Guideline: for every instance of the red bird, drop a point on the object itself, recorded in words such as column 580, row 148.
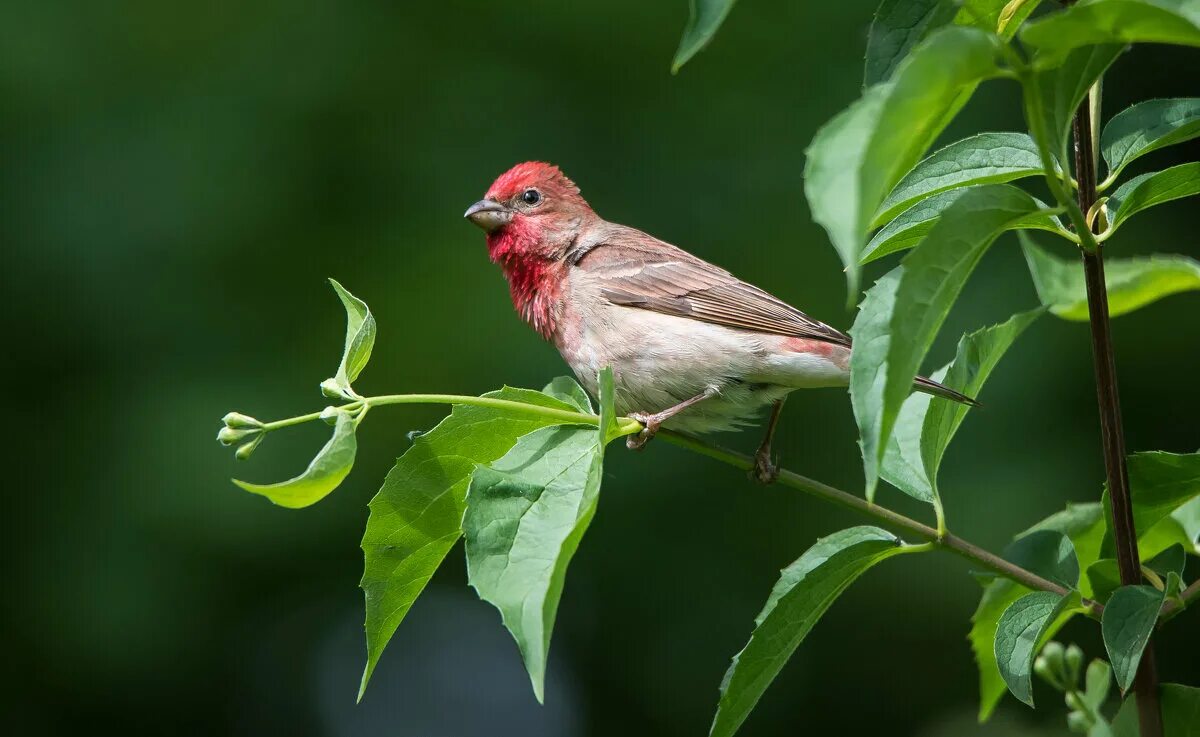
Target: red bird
column 691, row 346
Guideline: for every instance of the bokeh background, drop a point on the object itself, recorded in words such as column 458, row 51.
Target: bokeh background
column 177, row 181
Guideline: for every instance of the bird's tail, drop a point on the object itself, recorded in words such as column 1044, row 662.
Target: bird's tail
column 929, row 386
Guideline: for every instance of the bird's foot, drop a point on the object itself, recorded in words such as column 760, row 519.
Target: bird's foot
column 650, row 425
column 765, row 471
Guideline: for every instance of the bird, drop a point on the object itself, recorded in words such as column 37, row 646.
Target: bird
column 692, row 347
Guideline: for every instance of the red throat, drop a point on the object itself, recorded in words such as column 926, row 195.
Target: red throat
column 534, row 281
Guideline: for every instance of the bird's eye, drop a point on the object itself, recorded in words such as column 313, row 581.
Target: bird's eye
column 531, row 197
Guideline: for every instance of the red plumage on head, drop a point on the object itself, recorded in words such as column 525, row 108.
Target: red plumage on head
column 537, row 174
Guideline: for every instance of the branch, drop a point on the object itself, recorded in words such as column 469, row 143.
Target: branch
column 1177, row 605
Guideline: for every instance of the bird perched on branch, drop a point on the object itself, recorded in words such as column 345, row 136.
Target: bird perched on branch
column 692, row 347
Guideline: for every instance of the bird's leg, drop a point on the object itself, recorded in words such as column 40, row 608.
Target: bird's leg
column 765, row 471
column 651, row 422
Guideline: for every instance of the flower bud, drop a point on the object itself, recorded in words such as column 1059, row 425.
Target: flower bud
column 332, row 389
column 1042, row 667
column 244, row 451
column 239, row 420
column 329, row 415
column 1078, row 722
column 229, row 435
column 1074, row 663
column 1073, row 701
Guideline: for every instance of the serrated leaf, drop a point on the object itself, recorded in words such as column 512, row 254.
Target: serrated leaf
column 899, row 25
column 1084, row 526
column 567, row 390
column 893, row 331
column 1020, row 634
column 416, row 516
column 325, row 471
column 1147, row 190
column 856, row 158
column 1148, row 126
column 704, row 18
column 984, row 158
column 1000, row 16
column 924, row 428
column 1057, row 92
column 1091, row 22
column 526, row 514
column 1132, row 283
column 360, row 340
column 805, row 590
column 910, row 227
column 1180, row 713
column 1127, row 621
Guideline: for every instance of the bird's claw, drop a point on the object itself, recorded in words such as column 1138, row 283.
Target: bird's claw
column 765, row 471
column 638, row 440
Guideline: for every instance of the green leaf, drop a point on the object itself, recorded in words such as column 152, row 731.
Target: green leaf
column 1132, row 283
column 360, row 340
column 897, row 27
column 526, row 514
column 1188, row 519
column 1180, row 713
column 567, row 390
column 1020, row 634
column 704, row 18
column 1160, row 483
column 324, row 473
column 910, row 227
column 1127, row 622
column 1147, row 190
column 805, row 590
column 896, row 325
column 1057, row 92
column 1092, row 22
column 1000, row 16
column 1097, row 684
column 1173, row 559
column 1084, row 526
column 416, row 516
column 1148, row 126
column 856, row 158
column 984, row 158
column 924, row 428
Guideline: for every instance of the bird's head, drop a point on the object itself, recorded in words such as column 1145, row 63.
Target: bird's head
column 531, row 210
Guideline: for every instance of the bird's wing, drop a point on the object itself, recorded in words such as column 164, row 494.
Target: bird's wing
column 636, row 270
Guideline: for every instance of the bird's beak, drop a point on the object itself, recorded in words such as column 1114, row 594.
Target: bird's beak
column 488, row 214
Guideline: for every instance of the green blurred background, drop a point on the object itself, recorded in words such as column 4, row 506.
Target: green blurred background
column 177, row 180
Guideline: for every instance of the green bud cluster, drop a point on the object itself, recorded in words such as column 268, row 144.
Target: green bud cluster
column 238, row 428
column 1062, row 667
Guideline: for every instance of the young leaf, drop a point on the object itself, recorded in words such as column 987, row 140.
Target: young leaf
column 568, row 391
column 704, row 18
column 805, row 590
column 1084, row 527
column 1020, row 634
column 1147, row 190
column 900, row 326
column 1057, row 92
column 856, row 158
column 326, row 470
column 983, row 158
column 1180, row 713
column 910, row 227
column 1148, row 126
column 416, row 516
column 1092, row 22
column 360, row 340
column 1132, row 283
column 997, row 16
column 897, row 27
column 526, row 514
column 924, row 428
column 1127, row 622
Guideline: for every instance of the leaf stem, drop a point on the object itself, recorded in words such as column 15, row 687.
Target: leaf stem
column 1112, row 432
column 948, row 541
column 1177, row 605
